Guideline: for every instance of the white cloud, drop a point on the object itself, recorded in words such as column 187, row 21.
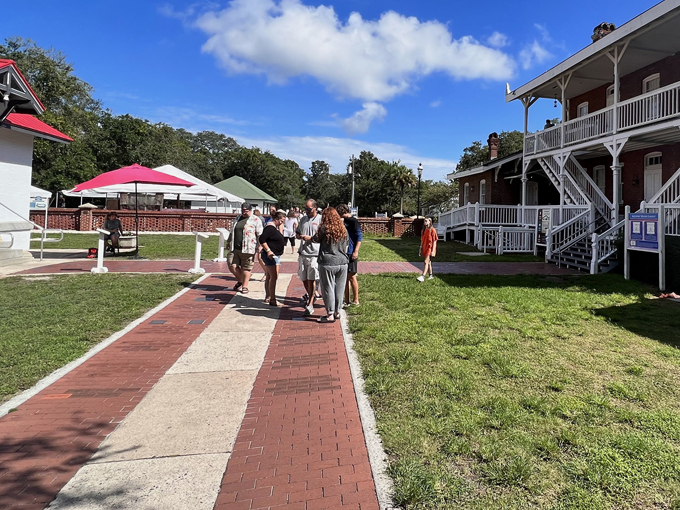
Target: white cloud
column 191, row 117
column 533, row 54
column 369, row 60
column 436, row 104
column 360, row 121
column 337, row 151
column 497, row 40
column 545, row 35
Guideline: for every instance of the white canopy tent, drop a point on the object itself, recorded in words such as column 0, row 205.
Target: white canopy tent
column 202, row 191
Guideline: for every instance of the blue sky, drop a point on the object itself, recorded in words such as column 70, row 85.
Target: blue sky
column 409, row 80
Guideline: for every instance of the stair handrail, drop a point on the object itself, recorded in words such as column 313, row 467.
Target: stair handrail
column 572, row 189
column 575, row 190
column 603, row 245
column 592, row 190
column 669, row 193
column 35, row 225
column 568, row 233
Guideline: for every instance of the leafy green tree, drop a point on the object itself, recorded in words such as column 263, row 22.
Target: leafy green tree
column 403, row 178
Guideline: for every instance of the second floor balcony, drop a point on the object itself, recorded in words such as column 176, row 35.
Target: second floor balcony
column 654, row 107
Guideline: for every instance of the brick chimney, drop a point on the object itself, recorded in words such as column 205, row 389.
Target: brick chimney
column 493, row 142
column 601, row 30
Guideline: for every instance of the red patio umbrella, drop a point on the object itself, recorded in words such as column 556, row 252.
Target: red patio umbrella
column 136, row 174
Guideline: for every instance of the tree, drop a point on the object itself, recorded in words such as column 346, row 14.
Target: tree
column 477, row 153
column 403, row 178
column 319, row 184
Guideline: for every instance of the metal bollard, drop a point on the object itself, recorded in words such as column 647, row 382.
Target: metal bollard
column 224, row 235
column 197, row 269
column 100, row 252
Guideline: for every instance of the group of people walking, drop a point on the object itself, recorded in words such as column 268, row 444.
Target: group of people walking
column 328, row 252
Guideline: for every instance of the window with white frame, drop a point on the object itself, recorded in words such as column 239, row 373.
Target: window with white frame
column 610, row 95
column 582, row 109
column 482, row 191
column 466, row 193
column 598, row 176
column 651, row 83
column 651, row 104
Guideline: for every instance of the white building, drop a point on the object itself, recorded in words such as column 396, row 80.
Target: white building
column 18, row 128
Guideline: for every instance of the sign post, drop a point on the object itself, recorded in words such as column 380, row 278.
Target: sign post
column 100, row 268
column 197, row 269
column 645, row 232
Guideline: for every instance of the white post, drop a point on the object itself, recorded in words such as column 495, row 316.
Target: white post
column 626, row 241
column 197, row 269
column 615, row 112
column 477, row 214
column 224, row 235
column 615, row 190
column 661, row 235
column 548, row 243
column 643, row 206
column 591, row 219
column 594, row 255
column 499, row 241
column 100, row 252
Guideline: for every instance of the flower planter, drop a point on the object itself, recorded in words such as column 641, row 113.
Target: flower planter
column 125, row 242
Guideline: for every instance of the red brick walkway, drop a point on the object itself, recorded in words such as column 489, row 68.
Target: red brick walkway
column 301, row 445
column 182, row 266
column 54, row 433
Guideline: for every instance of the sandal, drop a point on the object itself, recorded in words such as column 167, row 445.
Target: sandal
column 273, row 303
column 237, row 286
column 244, row 290
column 325, row 320
column 336, row 315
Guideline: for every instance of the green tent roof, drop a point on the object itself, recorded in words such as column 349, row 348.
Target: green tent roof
column 241, row 188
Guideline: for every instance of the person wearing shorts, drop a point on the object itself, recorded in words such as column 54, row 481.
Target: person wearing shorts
column 308, row 267
column 115, row 227
column 289, row 228
column 355, row 237
column 245, row 233
column 273, row 243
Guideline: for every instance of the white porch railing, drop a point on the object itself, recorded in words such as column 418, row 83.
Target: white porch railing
column 657, row 105
column 502, row 239
column 660, row 104
column 563, row 236
column 499, row 214
column 589, row 126
column 588, row 186
column 604, row 246
column 671, row 216
column 669, row 192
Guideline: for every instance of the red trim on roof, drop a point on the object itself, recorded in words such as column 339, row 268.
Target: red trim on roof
column 30, row 123
column 5, row 63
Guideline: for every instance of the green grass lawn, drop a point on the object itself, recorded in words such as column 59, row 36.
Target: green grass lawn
column 523, row 392
column 394, row 249
column 50, row 321
column 151, row 246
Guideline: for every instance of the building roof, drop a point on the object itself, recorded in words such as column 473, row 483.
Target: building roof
column 242, row 188
column 24, row 84
column 485, row 167
column 592, row 68
column 34, row 126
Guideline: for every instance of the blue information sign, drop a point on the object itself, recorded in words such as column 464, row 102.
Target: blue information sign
column 643, row 231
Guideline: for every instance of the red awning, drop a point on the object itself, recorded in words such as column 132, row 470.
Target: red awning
column 132, row 174
column 36, row 126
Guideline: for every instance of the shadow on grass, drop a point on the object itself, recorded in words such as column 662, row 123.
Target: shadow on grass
column 657, row 319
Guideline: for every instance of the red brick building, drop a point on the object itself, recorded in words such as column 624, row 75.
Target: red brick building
column 618, row 144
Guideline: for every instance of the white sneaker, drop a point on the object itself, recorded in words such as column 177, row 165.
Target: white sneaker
column 431, row 277
column 421, row 278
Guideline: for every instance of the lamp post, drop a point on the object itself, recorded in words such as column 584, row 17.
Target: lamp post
column 351, row 172
column 420, row 175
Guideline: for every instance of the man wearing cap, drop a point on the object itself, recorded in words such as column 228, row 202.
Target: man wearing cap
column 308, row 268
column 245, row 234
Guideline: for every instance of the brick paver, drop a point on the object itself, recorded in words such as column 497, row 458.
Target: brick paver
column 182, row 266
column 49, row 437
column 301, row 445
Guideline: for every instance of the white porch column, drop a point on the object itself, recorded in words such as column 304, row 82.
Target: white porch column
column 523, row 205
column 616, row 199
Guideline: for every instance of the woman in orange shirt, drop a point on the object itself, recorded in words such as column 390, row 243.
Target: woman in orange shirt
column 428, row 248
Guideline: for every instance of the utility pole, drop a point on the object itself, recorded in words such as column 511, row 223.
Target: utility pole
column 420, row 174
column 351, row 171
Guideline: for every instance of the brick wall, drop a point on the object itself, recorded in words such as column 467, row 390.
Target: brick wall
column 188, row 220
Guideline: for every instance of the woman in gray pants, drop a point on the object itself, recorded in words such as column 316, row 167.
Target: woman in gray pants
column 333, row 241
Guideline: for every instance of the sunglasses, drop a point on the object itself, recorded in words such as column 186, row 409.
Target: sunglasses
column 309, row 209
